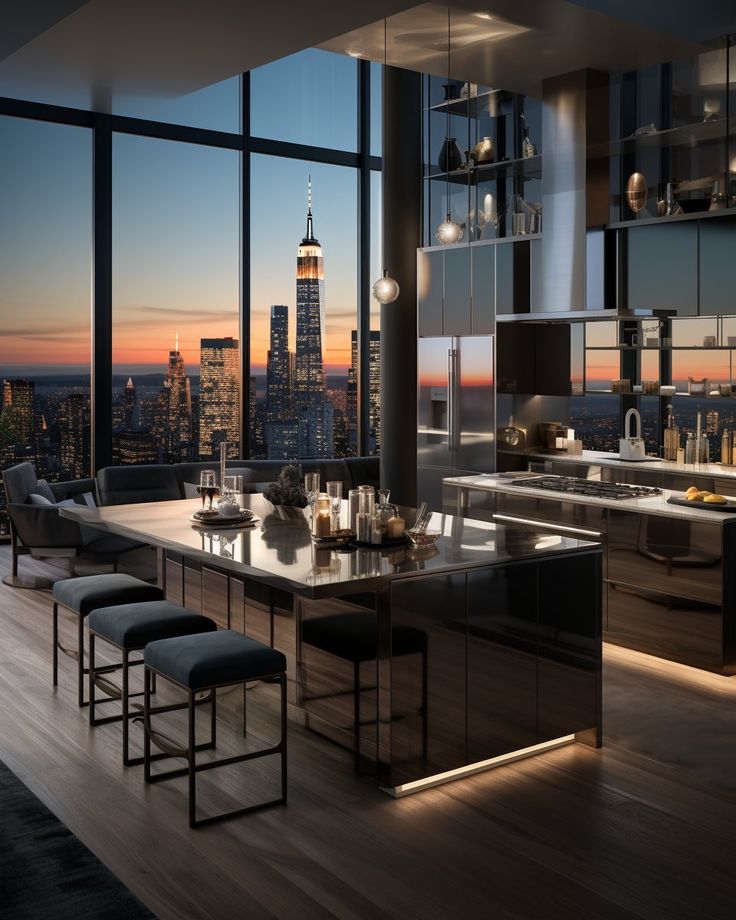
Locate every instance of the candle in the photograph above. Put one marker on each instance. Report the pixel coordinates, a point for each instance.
(395, 527)
(321, 517)
(324, 524)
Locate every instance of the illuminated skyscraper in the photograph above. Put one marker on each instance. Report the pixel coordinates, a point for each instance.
(18, 410)
(278, 390)
(177, 410)
(130, 407)
(711, 421)
(219, 396)
(374, 385)
(309, 385)
(74, 428)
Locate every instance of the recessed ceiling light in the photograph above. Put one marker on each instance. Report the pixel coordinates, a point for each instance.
(354, 54)
(482, 15)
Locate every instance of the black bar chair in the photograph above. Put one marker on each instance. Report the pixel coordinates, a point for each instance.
(129, 628)
(80, 596)
(206, 663)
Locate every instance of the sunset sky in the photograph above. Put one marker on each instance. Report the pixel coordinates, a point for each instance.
(176, 236)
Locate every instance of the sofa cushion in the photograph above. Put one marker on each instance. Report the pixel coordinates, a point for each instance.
(124, 485)
(44, 489)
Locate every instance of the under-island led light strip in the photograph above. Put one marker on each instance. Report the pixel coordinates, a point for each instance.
(479, 767)
(548, 525)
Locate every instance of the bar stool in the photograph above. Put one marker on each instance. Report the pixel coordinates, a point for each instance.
(129, 628)
(206, 663)
(81, 596)
(353, 637)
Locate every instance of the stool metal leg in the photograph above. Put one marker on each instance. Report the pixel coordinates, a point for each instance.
(192, 762)
(126, 706)
(80, 662)
(283, 737)
(91, 678)
(425, 715)
(55, 630)
(356, 713)
(146, 724)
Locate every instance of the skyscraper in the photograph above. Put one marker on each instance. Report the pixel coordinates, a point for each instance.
(130, 407)
(309, 384)
(18, 410)
(374, 385)
(219, 396)
(278, 389)
(74, 427)
(177, 410)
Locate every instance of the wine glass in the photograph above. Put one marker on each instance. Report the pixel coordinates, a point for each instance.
(334, 490)
(383, 496)
(311, 487)
(207, 486)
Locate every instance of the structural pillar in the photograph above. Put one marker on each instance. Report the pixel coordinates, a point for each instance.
(402, 212)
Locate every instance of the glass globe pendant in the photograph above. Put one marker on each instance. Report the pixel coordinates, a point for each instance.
(386, 289)
(449, 231)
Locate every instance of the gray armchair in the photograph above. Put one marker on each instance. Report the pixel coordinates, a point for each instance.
(39, 531)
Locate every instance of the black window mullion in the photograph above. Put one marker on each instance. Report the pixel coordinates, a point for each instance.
(245, 325)
(101, 363)
(364, 262)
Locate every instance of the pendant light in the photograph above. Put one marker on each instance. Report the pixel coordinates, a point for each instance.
(386, 289)
(449, 231)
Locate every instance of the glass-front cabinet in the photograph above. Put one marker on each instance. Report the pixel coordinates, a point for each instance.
(482, 160)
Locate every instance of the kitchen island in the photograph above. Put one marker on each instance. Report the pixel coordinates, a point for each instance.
(669, 583)
(427, 663)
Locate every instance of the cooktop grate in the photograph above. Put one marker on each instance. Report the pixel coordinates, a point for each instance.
(574, 486)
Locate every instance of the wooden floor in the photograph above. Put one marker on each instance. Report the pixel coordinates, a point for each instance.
(645, 828)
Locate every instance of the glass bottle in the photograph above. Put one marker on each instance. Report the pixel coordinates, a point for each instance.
(717, 198)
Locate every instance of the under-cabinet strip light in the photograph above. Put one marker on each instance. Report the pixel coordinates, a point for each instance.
(439, 778)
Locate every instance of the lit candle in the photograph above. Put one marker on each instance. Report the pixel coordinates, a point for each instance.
(321, 519)
(396, 526)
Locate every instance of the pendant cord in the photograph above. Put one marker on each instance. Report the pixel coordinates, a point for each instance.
(447, 128)
(385, 139)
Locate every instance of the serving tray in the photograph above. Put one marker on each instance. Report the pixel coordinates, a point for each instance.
(728, 508)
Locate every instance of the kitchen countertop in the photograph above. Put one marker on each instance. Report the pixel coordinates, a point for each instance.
(602, 458)
(656, 504)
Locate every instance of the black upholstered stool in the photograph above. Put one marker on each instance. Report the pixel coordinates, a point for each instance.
(206, 663)
(353, 637)
(129, 628)
(90, 592)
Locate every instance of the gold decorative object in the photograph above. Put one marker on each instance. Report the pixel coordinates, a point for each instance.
(636, 192)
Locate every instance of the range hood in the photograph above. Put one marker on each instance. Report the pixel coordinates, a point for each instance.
(588, 316)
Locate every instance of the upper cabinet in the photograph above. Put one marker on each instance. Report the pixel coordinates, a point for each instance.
(482, 160)
(717, 267)
(662, 268)
(457, 308)
(430, 291)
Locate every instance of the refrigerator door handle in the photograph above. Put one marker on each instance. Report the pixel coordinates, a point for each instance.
(452, 398)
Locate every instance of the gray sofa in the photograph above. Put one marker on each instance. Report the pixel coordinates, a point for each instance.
(121, 485)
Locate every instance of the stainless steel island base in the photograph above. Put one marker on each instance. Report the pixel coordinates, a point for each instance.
(427, 665)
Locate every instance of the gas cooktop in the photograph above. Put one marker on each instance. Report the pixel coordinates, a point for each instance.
(591, 487)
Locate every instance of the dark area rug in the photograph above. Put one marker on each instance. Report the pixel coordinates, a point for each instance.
(45, 871)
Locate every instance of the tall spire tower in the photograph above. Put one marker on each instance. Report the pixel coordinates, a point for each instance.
(309, 385)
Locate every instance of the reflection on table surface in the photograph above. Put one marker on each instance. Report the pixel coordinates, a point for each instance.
(280, 544)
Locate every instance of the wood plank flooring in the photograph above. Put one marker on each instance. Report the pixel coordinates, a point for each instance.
(643, 829)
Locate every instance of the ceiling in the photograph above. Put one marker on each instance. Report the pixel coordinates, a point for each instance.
(73, 51)
(514, 44)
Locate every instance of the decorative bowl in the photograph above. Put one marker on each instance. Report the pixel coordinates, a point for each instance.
(422, 538)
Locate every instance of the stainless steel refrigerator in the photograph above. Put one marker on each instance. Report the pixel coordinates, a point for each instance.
(456, 429)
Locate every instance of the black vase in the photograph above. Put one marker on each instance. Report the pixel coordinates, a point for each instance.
(450, 157)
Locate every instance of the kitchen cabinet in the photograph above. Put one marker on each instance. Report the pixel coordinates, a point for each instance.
(536, 278)
(569, 645)
(430, 291)
(662, 267)
(456, 309)
(483, 289)
(502, 660)
(512, 277)
(717, 266)
(534, 358)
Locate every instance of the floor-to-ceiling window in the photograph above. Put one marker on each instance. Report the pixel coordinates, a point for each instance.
(45, 269)
(208, 211)
(176, 269)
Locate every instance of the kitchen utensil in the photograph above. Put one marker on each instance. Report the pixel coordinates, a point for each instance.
(632, 447)
(671, 436)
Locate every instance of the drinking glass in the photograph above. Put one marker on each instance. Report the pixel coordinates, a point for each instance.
(334, 490)
(207, 486)
(311, 487)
